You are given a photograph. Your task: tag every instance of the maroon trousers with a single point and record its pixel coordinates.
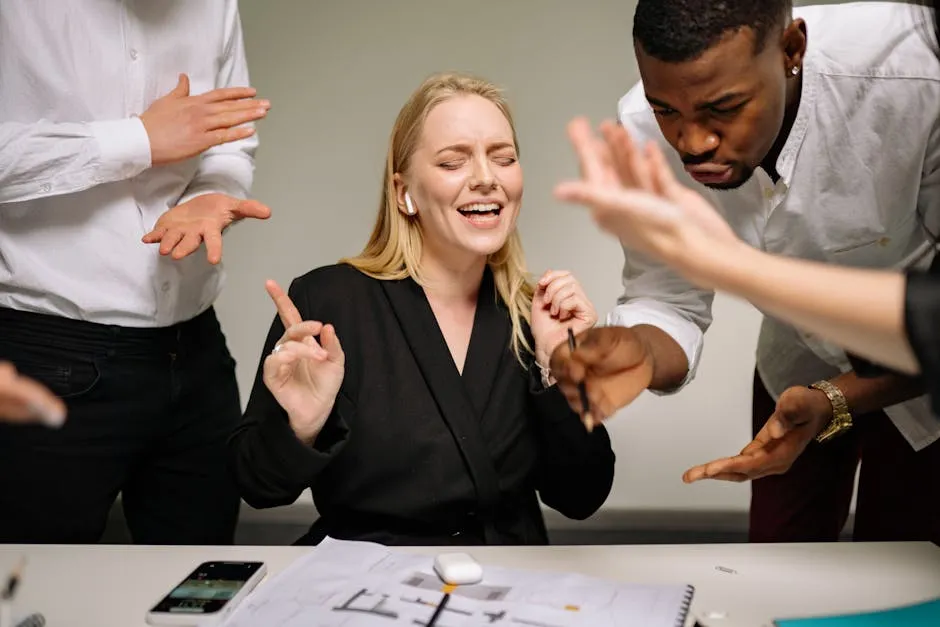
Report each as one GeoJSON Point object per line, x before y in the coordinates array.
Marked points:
{"type": "Point", "coordinates": [898, 491]}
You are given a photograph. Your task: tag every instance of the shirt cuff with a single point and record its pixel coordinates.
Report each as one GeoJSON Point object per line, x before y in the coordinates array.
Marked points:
{"type": "Point", "coordinates": [124, 148]}
{"type": "Point", "coordinates": [653, 313]}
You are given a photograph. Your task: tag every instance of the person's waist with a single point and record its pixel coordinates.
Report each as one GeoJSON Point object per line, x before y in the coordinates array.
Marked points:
{"type": "Point", "coordinates": [136, 295]}
{"type": "Point", "coordinates": [42, 329]}
{"type": "Point", "coordinates": [358, 523]}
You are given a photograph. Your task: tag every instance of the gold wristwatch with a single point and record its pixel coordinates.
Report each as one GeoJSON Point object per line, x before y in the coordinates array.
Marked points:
{"type": "Point", "coordinates": [841, 416]}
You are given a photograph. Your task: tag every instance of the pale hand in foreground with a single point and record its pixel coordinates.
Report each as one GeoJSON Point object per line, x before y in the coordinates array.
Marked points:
{"type": "Point", "coordinates": [303, 375]}
{"type": "Point", "coordinates": [800, 415]}
{"type": "Point", "coordinates": [634, 196]}
{"type": "Point", "coordinates": [23, 400]}
{"type": "Point", "coordinates": [181, 126]}
{"type": "Point", "coordinates": [181, 230]}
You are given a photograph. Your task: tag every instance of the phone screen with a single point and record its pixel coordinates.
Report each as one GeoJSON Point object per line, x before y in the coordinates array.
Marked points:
{"type": "Point", "coordinates": [208, 588]}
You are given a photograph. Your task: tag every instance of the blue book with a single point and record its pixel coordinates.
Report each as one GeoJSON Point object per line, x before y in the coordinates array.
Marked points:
{"type": "Point", "coordinates": [925, 614]}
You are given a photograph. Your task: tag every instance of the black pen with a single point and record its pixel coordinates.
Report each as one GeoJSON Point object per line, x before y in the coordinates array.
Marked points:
{"type": "Point", "coordinates": [585, 405]}
{"type": "Point", "coordinates": [440, 610]}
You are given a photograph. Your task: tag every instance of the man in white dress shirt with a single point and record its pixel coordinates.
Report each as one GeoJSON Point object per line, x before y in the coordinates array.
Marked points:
{"type": "Point", "coordinates": [815, 131]}
{"type": "Point", "coordinates": [126, 147]}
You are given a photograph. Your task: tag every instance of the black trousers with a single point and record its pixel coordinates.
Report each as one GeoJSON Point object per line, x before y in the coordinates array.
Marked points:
{"type": "Point", "coordinates": [149, 413]}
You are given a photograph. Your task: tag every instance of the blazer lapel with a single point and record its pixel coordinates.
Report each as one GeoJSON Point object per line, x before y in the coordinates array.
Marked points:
{"type": "Point", "coordinates": [489, 340]}
{"type": "Point", "coordinates": [434, 360]}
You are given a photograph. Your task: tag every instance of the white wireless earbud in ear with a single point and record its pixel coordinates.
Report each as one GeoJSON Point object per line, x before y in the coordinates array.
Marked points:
{"type": "Point", "coordinates": [409, 205]}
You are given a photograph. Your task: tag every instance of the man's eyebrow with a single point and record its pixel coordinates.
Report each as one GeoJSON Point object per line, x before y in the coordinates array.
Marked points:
{"type": "Point", "coordinates": [722, 100]}
{"type": "Point", "coordinates": [711, 104]}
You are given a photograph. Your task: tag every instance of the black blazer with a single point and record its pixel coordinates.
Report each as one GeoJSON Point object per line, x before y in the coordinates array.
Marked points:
{"type": "Point", "coordinates": [922, 325]}
{"type": "Point", "coordinates": [413, 452]}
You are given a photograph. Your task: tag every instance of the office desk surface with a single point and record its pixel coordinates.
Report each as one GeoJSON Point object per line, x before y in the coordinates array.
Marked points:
{"type": "Point", "coordinates": [114, 586]}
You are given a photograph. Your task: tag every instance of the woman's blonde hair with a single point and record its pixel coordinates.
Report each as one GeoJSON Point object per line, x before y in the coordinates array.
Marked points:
{"type": "Point", "coordinates": [394, 248]}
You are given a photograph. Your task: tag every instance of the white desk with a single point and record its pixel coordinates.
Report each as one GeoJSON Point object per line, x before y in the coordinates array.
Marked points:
{"type": "Point", "coordinates": [113, 586]}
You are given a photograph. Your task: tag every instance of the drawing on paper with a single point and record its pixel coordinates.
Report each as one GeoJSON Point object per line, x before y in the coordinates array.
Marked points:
{"type": "Point", "coordinates": [358, 584]}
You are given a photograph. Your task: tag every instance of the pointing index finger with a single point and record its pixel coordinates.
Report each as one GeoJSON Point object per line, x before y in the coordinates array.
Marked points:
{"type": "Point", "coordinates": [285, 306]}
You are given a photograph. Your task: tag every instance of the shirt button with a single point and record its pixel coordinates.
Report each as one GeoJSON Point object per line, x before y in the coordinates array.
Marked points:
{"type": "Point", "coordinates": [165, 287]}
{"type": "Point", "coordinates": [45, 187]}
{"type": "Point", "coordinates": [134, 54]}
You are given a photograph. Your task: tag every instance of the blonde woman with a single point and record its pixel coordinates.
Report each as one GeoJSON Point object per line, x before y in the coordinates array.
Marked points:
{"type": "Point", "coordinates": [410, 390]}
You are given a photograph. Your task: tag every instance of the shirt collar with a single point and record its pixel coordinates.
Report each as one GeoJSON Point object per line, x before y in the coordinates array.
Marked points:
{"type": "Point", "coordinates": [791, 149]}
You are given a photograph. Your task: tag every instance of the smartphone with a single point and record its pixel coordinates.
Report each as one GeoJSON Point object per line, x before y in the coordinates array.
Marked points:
{"type": "Point", "coordinates": [208, 594]}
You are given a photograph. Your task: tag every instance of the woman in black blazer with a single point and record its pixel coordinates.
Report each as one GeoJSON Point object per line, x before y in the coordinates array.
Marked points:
{"type": "Point", "coordinates": [410, 391]}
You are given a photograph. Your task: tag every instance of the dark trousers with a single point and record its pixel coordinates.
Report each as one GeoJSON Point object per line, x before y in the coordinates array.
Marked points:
{"type": "Point", "coordinates": [898, 487]}
{"type": "Point", "coordinates": [149, 413]}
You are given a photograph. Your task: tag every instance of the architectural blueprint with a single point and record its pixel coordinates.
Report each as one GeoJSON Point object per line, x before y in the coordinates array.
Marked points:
{"type": "Point", "coordinates": [358, 584]}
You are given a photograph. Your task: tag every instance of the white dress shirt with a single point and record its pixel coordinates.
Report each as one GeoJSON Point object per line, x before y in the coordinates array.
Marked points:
{"type": "Point", "coordinates": [77, 190]}
{"type": "Point", "coordinates": [862, 157]}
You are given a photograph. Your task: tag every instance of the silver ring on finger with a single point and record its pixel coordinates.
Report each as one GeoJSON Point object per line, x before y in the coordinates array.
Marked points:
{"type": "Point", "coordinates": [277, 347]}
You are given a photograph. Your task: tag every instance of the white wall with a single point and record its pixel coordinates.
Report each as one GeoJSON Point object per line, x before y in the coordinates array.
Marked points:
{"type": "Point", "coordinates": [337, 72]}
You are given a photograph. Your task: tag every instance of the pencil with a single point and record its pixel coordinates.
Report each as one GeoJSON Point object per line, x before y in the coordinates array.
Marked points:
{"type": "Point", "coordinates": [585, 405]}
{"type": "Point", "coordinates": [440, 610]}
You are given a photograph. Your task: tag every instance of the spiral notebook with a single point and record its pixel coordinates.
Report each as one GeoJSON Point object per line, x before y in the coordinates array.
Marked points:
{"type": "Point", "coordinates": [360, 584]}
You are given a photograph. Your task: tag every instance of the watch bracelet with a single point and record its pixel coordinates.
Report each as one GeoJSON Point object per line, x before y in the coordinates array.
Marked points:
{"type": "Point", "coordinates": [841, 419]}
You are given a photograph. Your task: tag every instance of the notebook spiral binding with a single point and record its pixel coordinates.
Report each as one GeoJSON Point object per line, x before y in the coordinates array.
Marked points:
{"type": "Point", "coordinates": [686, 605]}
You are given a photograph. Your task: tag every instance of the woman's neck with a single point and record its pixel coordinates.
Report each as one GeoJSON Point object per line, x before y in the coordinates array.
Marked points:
{"type": "Point", "coordinates": [452, 281]}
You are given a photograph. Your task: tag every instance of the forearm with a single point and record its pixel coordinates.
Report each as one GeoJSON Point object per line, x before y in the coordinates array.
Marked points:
{"type": "Point", "coordinates": [228, 172]}
{"type": "Point", "coordinates": [45, 159]}
{"type": "Point", "coordinates": [868, 394]}
{"type": "Point", "coordinates": [271, 463]}
{"type": "Point", "coordinates": [228, 168]}
{"type": "Point", "coordinates": [576, 468]}
{"type": "Point", "coordinates": [669, 361]}
{"type": "Point", "coordinates": [860, 310]}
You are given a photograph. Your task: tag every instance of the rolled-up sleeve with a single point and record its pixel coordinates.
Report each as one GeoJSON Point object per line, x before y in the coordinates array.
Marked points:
{"type": "Point", "coordinates": [656, 296]}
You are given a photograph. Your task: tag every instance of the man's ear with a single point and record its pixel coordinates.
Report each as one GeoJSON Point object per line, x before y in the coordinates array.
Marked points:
{"type": "Point", "coordinates": [795, 38]}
